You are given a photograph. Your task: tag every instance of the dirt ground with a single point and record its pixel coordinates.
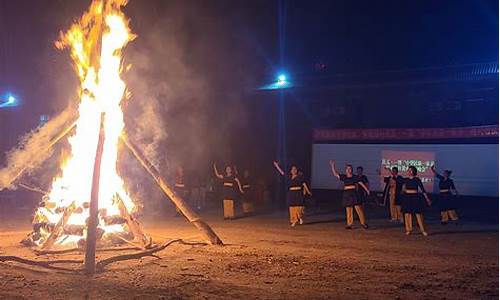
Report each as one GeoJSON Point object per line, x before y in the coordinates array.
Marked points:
{"type": "Point", "coordinates": [266, 259]}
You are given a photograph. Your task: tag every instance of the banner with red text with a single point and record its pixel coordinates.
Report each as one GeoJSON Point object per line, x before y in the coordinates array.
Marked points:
{"type": "Point", "coordinates": [490, 131]}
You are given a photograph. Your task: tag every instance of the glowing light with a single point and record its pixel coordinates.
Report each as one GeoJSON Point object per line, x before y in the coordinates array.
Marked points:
{"type": "Point", "coordinates": [9, 101]}
{"type": "Point", "coordinates": [101, 90]}
{"type": "Point", "coordinates": [282, 82]}
{"type": "Point", "coordinates": [281, 78]}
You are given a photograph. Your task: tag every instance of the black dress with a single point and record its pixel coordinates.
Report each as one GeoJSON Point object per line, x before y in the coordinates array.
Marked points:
{"type": "Point", "coordinates": [360, 190]}
{"type": "Point", "coordinates": [399, 187]}
{"type": "Point", "coordinates": [247, 189]}
{"type": "Point", "coordinates": [350, 195]}
{"type": "Point", "coordinates": [413, 201]}
{"type": "Point", "coordinates": [445, 201]}
{"type": "Point", "coordinates": [229, 186]}
{"type": "Point", "coordinates": [295, 192]}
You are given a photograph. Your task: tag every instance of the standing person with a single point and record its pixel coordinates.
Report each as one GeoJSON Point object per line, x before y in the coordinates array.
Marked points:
{"type": "Point", "coordinates": [246, 184]}
{"type": "Point", "coordinates": [392, 192]}
{"type": "Point", "coordinates": [296, 189]}
{"type": "Point", "coordinates": [445, 202]}
{"type": "Point", "coordinates": [362, 194]}
{"type": "Point", "coordinates": [180, 188]}
{"type": "Point", "coordinates": [413, 202]}
{"type": "Point", "coordinates": [350, 196]}
{"type": "Point", "coordinates": [230, 187]}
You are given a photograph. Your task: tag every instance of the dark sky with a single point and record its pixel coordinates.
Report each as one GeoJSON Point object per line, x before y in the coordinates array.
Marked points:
{"type": "Point", "coordinates": [201, 56]}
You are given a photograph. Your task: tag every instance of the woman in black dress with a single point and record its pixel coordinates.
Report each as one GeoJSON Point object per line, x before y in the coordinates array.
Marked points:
{"type": "Point", "coordinates": [445, 202]}
{"type": "Point", "coordinates": [413, 201]}
{"type": "Point", "coordinates": [246, 184]}
{"type": "Point", "coordinates": [350, 197]}
{"type": "Point", "coordinates": [392, 192]}
{"type": "Point", "coordinates": [231, 186]}
{"type": "Point", "coordinates": [296, 190]}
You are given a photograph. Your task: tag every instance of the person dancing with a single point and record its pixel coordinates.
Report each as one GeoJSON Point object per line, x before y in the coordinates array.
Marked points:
{"type": "Point", "coordinates": [413, 202]}
{"type": "Point", "coordinates": [246, 183]}
{"type": "Point", "coordinates": [350, 197]}
{"type": "Point", "coordinates": [230, 187]}
{"type": "Point", "coordinates": [445, 202]}
{"type": "Point", "coordinates": [392, 192]}
{"type": "Point", "coordinates": [296, 190]}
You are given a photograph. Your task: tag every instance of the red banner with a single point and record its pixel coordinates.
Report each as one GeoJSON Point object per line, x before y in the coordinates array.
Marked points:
{"type": "Point", "coordinates": [405, 133]}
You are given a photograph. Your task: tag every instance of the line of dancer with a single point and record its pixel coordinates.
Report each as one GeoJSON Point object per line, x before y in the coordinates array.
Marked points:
{"type": "Point", "coordinates": [406, 195]}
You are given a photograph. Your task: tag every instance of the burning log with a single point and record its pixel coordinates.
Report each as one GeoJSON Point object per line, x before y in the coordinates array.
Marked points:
{"type": "Point", "coordinates": [114, 220]}
{"type": "Point", "coordinates": [32, 188]}
{"type": "Point", "coordinates": [93, 220]}
{"type": "Point", "coordinates": [74, 229]}
{"type": "Point", "coordinates": [133, 224]}
{"type": "Point", "coordinates": [59, 227]}
{"type": "Point", "coordinates": [192, 217]}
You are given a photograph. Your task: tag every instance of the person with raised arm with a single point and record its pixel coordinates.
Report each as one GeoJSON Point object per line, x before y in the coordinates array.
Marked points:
{"type": "Point", "coordinates": [413, 201]}
{"type": "Point", "coordinates": [231, 186]}
{"type": "Point", "coordinates": [392, 192]}
{"type": "Point", "coordinates": [445, 201]}
{"type": "Point", "coordinates": [350, 197]}
{"type": "Point", "coordinates": [296, 190]}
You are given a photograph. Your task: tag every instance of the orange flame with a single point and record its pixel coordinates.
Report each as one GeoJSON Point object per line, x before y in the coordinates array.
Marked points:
{"type": "Point", "coordinates": [96, 42]}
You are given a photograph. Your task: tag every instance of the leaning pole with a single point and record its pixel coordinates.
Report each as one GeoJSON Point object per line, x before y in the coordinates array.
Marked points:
{"type": "Point", "coordinates": [192, 217]}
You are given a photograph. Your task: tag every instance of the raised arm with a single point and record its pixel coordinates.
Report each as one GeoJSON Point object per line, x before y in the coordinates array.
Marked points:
{"type": "Point", "coordinates": [436, 174]}
{"type": "Point", "coordinates": [364, 187]}
{"type": "Point", "coordinates": [217, 172]}
{"type": "Point", "coordinates": [277, 166]}
{"type": "Point", "coordinates": [239, 185]}
{"type": "Point", "coordinates": [334, 171]}
{"type": "Point", "coordinates": [306, 189]}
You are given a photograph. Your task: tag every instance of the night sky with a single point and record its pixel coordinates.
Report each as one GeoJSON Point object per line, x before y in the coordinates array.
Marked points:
{"type": "Point", "coordinates": [204, 55]}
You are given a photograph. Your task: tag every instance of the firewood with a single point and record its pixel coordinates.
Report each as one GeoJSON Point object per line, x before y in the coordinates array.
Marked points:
{"type": "Point", "coordinates": [58, 228]}
{"type": "Point", "coordinates": [192, 217]}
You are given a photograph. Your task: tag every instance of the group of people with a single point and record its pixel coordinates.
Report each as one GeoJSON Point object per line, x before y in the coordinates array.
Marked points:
{"type": "Point", "coordinates": [407, 196]}
{"type": "Point", "coordinates": [232, 189]}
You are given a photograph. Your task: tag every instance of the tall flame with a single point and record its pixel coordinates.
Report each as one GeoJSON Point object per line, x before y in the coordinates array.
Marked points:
{"type": "Point", "coordinates": [96, 42]}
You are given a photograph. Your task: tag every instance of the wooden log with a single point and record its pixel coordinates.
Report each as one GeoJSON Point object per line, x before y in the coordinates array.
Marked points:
{"type": "Point", "coordinates": [41, 152]}
{"type": "Point", "coordinates": [192, 217]}
{"type": "Point", "coordinates": [32, 188]}
{"type": "Point", "coordinates": [93, 220]}
{"type": "Point", "coordinates": [56, 232]}
{"type": "Point", "coordinates": [133, 224]}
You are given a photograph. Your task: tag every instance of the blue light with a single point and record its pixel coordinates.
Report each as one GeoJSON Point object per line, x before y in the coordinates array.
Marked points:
{"type": "Point", "coordinates": [282, 82]}
{"type": "Point", "coordinates": [8, 101]}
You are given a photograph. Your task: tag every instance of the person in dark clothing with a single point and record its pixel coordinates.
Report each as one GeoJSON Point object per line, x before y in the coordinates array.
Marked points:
{"type": "Point", "coordinates": [246, 184]}
{"type": "Point", "coordinates": [362, 178]}
{"type": "Point", "coordinates": [445, 201]}
{"type": "Point", "coordinates": [392, 193]}
{"type": "Point", "coordinates": [350, 196]}
{"type": "Point", "coordinates": [296, 190]}
{"type": "Point", "coordinates": [180, 188]}
{"type": "Point", "coordinates": [413, 201]}
{"type": "Point", "coordinates": [231, 186]}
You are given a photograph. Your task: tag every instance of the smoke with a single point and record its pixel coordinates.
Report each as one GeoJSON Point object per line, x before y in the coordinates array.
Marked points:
{"type": "Point", "coordinates": [189, 68]}
{"type": "Point", "coordinates": [35, 147]}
